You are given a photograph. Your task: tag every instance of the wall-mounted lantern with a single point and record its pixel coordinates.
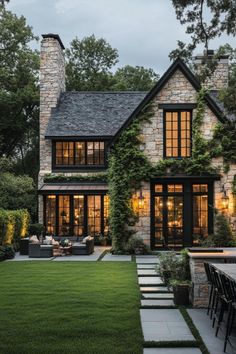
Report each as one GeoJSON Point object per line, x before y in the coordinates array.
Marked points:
{"type": "Point", "coordinates": [224, 199]}
{"type": "Point", "coordinates": [139, 203]}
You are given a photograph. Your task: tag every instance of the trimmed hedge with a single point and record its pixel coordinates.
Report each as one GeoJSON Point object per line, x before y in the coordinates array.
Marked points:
{"type": "Point", "coordinates": [14, 225]}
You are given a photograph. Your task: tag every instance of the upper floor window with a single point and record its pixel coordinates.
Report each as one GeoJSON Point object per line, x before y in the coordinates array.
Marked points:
{"type": "Point", "coordinates": [177, 133]}
{"type": "Point", "coordinates": [79, 153]}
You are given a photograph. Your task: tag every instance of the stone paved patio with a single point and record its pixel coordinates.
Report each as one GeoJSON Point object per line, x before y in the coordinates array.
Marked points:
{"type": "Point", "coordinates": [164, 325]}
{"type": "Point", "coordinates": [171, 351]}
{"type": "Point", "coordinates": [115, 258]}
{"type": "Point", "coordinates": [150, 281]}
{"type": "Point", "coordinates": [203, 324]}
{"type": "Point", "coordinates": [157, 303]}
{"type": "Point", "coordinates": [147, 272]}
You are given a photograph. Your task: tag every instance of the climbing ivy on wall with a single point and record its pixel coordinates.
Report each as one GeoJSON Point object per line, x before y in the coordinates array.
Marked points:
{"type": "Point", "coordinates": [128, 166]}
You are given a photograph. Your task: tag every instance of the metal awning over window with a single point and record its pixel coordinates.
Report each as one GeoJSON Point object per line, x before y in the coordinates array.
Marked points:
{"type": "Point", "coordinates": [63, 188]}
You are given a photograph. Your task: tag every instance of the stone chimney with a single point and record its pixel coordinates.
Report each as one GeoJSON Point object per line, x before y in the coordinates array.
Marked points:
{"type": "Point", "coordinates": [52, 83]}
{"type": "Point", "coordinates": [219, 78]}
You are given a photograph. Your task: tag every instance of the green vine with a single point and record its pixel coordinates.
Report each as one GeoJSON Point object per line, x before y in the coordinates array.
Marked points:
{"type": "Point", "coordinates": [98, 177]}
{"type": "Point", "coordinates": [128, 166]}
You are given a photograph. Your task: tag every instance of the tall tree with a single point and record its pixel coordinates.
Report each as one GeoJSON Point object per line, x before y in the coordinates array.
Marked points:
{"type": "Point", "coordinates": [134, 78]}
{"type": "Point", "coordinates": [88, 64]}
{"type": "Point", "coordinates": [205, 20]}
{"type": "Point", "coordinates": [19, 93]}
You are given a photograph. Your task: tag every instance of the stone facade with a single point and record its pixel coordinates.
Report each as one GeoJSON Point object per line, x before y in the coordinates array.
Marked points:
{"type": "Point", "coordinates": [179, 90]}
{"type": "Point", "coordinates": [52, 83]}
{"type": "Point", "coordinates": [219, 78]}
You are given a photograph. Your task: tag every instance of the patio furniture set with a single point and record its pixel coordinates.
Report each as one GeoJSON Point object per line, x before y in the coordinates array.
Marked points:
{"type": "Point", "coordinates": [222, 298]}
{"type": "Point", "coordinates": [54, 247]}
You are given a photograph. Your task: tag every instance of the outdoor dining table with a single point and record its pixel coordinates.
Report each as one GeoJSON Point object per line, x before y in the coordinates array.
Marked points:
{"type": "Point", "coordinates": [228, 269]}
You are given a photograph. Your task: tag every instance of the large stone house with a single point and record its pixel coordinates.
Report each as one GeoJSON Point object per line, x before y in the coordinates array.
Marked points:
{"type": "Point", "coordinates": [77, 130]}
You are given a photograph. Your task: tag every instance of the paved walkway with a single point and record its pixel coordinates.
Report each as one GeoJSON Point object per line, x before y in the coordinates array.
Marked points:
{"type": "Point", "coordinates": [160, 319]}
{"type": "Point", "coordinates": [214, 344]}
{"type": "Point", "coordinates": [98, 250]}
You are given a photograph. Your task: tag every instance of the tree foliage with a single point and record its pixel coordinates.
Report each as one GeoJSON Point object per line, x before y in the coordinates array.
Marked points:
{"type": "Point", "coordinates": [134, 78]}
{"type": "Point", "coordinates": [19, 93]}
{"type": "Point", "coordinates": [88, 64]}
{"type": "Point", "coordinates": [18, 192]}
{"type": "Point", "coordinates": [205, 20]}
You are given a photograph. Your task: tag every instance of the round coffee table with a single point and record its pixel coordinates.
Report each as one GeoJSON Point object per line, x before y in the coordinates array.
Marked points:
{"type": "Point", "coordinates": [65, 250]}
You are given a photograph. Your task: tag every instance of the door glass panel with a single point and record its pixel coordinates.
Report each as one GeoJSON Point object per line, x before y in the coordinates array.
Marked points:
{"type": "Point", "coordinates": [175, 220]}
{"type": "Point", "coordinates": [94, 214]}
{"type": "Point", "coordinates": [158, 221]}
{"type": "Point", "coordinates": [78, 215]}
{"type": "Point", "coordinates": [200, 215]}
{"type": "Point", "coordinates": [64, 215]}
{"type": "Point", "coordinates": [50, 221]}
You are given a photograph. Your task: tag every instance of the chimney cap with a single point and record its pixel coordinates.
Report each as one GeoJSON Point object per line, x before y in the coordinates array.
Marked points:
{"type": "Point", "coordinates": [55, 36]}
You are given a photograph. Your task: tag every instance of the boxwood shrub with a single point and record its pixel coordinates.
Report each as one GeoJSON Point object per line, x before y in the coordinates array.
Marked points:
{"type": "Point", "coordinates": [14, 225]}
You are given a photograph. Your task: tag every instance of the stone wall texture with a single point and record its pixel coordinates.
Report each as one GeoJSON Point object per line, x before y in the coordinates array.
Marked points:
{"type": "Point", "coordinates": [179, 90]}
{"type": "Point", "coordinates": [52, 83]}
{"type": "Point", "coordinates": [220, 77]}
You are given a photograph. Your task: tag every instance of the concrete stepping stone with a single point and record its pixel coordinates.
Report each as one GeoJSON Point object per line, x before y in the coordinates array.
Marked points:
{"type": "Point", "coordinates": [151, 289]}
{"type": "Point", "coordinates": [158, 296]}
{"type": "Point", "coordinates": [158, 303]}
{"type": "Point", "coordinates": [146, 266]}
{"type": "Point", "coordinates": [171, 351]}
{"type": "Point", "coordinates": [150, 281]}
{"type": "Point", "coordinates": [116, 258]}
{"type": "Point", "coordinates": [142, 260]}
{"type": "Point", "coordinates": [163, 325]}
{"type": "Point", "coordinates": [147, 272]}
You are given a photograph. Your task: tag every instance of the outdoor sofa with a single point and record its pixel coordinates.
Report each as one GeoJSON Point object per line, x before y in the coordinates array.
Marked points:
{"type": "Point", "coordinates": [79, 246]}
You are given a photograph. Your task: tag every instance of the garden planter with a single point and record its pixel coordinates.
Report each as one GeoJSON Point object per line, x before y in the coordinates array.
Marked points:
{"type": "Point", "coordinates": [181, 294]}
{"type": "Point", "coordinates": [166, 275]}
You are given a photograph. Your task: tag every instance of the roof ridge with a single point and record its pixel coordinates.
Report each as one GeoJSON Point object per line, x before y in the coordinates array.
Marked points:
{"type": "Point", "coordinates": [105, 92]}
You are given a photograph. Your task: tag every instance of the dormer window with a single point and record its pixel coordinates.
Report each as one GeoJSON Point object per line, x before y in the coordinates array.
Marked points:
{"type": "Point", "coordinates": [177, 133]}
{"type": "Point", "coordinates": [79, 154]}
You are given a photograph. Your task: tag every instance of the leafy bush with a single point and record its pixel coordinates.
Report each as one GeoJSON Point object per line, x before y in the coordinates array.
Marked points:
{"type": "Point", "coordinates": [6, 252]}
{"type": "Point", "coordinates": [13, 226]}
{"type": "Point", "coordinates": [173, 267]}
{"type": "Point", "coordinates": [36, 229]}
{"type": "Point", "coordinates": [18, 192]}
{"type": "Point", "coordinates": [136, 245]}
{"type": "Point", "coordinates": [223, 236]}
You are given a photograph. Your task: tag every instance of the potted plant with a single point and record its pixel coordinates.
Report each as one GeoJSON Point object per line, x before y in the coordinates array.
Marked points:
{"type": "Point", "coordinates": [180, 279]}
{"type": "Point", "coordinates": [167, 265]}
{"type": "Point", "coordinates": [180, 291]}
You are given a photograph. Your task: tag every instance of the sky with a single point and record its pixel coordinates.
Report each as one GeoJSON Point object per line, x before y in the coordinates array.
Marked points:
{"type": "Point", "coordinates": [143, 31]}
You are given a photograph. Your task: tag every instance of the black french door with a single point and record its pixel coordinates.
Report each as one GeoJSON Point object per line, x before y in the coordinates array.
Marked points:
{"type": "Point", "coordinates": [181, 212]}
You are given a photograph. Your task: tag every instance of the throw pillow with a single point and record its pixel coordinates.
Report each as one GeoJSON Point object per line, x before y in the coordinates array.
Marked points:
{"type": "Point", "coordinates": [55, 243]}
{"type": "Point", "coordinates": [34, 239]}
{"type": "Point", "coordinates": [85, 239]}
{"type": "Point", "coordinates": [48, 240]}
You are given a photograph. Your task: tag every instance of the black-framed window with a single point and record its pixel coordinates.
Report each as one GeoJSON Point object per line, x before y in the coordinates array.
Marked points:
{"type": "Point", "coordinates": [177, 133]}
{"type": "Point", "coordinates": [77, 154]}
{"type": "Point", "coordinates": [76, 214]}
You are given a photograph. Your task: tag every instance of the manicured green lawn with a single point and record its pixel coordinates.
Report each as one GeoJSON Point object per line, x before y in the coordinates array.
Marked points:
{"type": "Point", "coordinates": [69, 307]}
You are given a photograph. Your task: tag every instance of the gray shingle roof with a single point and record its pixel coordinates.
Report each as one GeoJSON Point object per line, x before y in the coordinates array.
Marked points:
{"type": "Point", "coordinates": [214, 95]}
{"type": "Point", "coordinates": [92, 113]}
